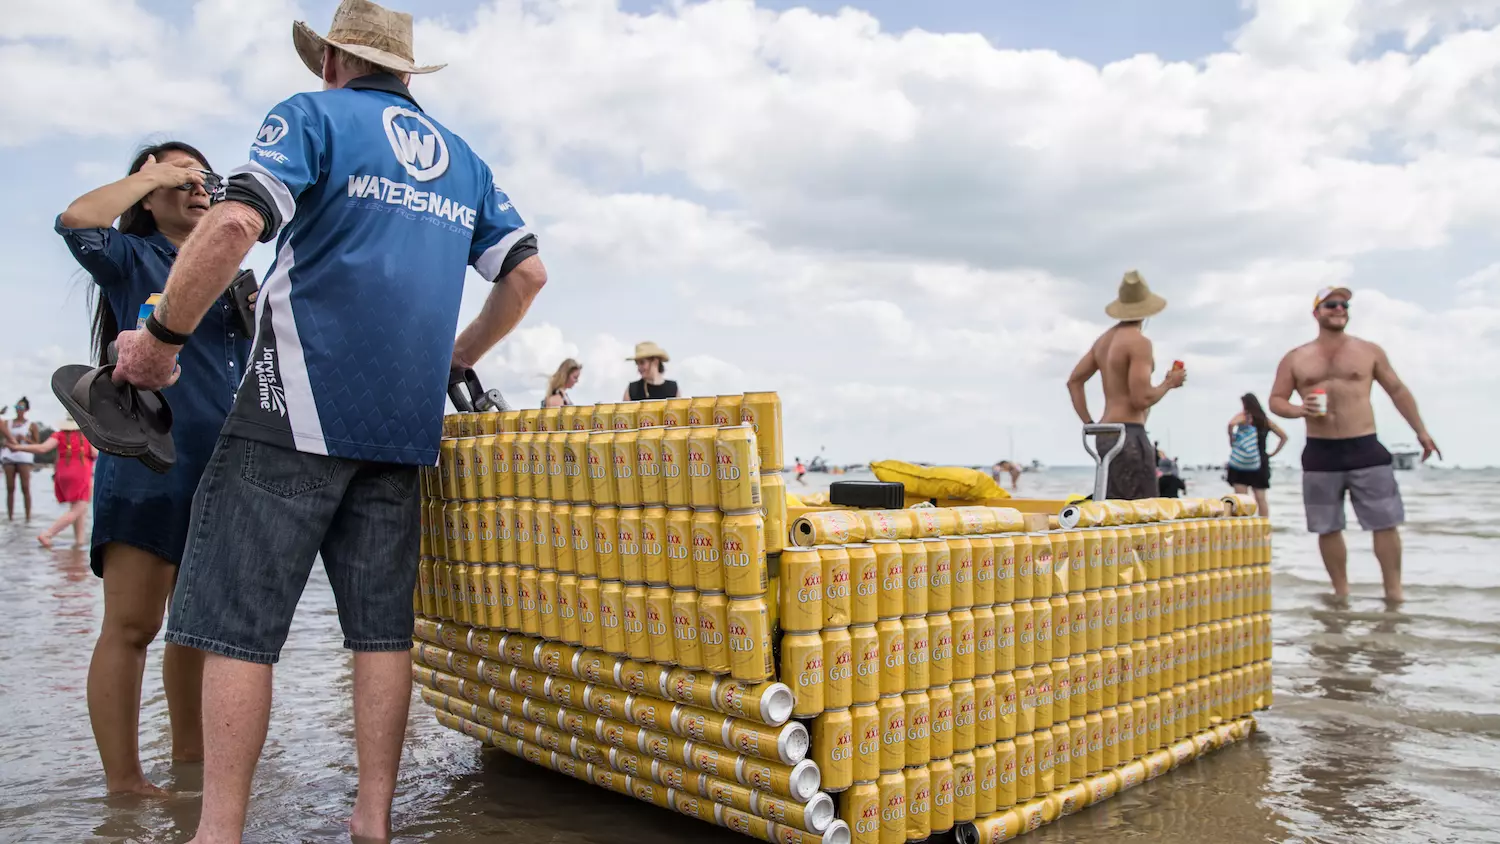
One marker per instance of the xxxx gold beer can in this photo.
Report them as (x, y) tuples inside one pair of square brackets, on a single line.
[(468, 523), (1078, 678), (567, 606), (963, 625), (653, 545), (561, 532), (1007, 637), (485, 478), (918, 727), (1045, 549), (914, 563), (986, 710), (659, 622), (940, 648), (637, 642), (891, 710), (600, 467), (985, 640), (838, 662), (918, 654), (891, 599), (628, 544), (1026, 699), (865, 648), (685, 629), (837, 600), (726, 410), (557, 471), (447, 472), (964, 715), (674, 413), (749, 634), (1046, 777), (648, 447), (488, 531), (736, 469), (673, 459), (427, 590), (453, 534), (1025, 565), (703, 491), (961, 565), (801, 588), (762, 412), (590, 634), (1007, 763), (624, 454), (625, 416), (928, 522), (773, 508), (1005, 569), (520, 464), (1093, 744), (463, 464), (941, 707), (1109, 660), (743, 555), (601, 417), (1109, 556), (802, 667), (541, 535), (1077, 623), (1093, 681), (1093, 558), (536, 454), (708, 574), (939, 575), (679, 543), (1062, 626), (458, 592), (611, 615), (1093, 614), (833, 748), (860, 808), (1109, 610), (1138, 713), (527, 599), (986, 781), (1153, 608), (1051, 694), (549, 419), (581, 530), (892, 786), (1109, 757), (1026, 622), (982, 551), (891, 635), (864, 584), (1026, 767), (943, 794), (649, 413), (606, 542)]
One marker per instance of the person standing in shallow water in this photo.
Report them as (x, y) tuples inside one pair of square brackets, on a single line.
[(1343, 455), (1249, 468), (650, 363), (19, 463)]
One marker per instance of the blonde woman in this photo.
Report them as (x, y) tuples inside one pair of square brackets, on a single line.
[(563, 380)]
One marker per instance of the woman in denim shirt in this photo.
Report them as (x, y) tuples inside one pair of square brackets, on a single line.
[(141, 517)]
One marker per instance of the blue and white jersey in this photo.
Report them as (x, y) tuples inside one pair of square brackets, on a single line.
[(377, 210)]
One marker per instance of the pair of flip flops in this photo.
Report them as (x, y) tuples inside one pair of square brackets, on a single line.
[(117, 419), (478, 399)]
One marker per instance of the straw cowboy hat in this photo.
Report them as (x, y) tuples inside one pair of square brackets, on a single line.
[(1135, 300), (67, 424), (649, 349), (360, 28)]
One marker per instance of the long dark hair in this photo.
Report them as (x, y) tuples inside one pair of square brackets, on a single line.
[(1254, 411), (137, 221)]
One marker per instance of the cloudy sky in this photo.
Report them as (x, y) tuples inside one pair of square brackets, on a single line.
[(906, 217)]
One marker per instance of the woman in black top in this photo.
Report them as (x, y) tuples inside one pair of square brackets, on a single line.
[(563, 380), (650, 361), (1256, 481)]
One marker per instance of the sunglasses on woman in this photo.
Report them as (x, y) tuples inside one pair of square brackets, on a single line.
[(213, 183)]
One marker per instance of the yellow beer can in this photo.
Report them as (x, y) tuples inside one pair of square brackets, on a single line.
[(536, 455), (675, 412), (838, 662), (833, 748), (541, 535), (918, 802), (678, 548), (986, 781), (743, 555), (837, 599), (762, 411), (1007, 764), (985, 641), (891, 601), (891, 635), (628, 544), (1093, 556), (703, 492), (708, 574), (940, 648), (773, 508), (1043, 553), (802, 661), (1027, 693), (1078, 623), (865, 647), (606, 542), (489, 530), (1026, 767), (918, 653), (625, 416), (1027, 549), (864, 583), (653, 544), (520, 464), (961, 566), (447, 473), (1062, 626), (557, 469), (510, 596), (673, 459), (982, 551), (736, 469), (1110, 545), (914, 564), (986, 710), (944, 788), (860, 808), (1078, 679), (940, 704), (892, 786), (484, 469), (567, 606), (749, 640), (633, 606), (1093, 744), (1041, 610), (685, 629), (1005, 568), (648, 448), (939, 575), (963, 625), (625, 456), (918, 727), (1138, 713), (581, 538), (801, 590), (659, 624), (726, 410), (965, 721), (599, 465), (1110, 758), (590, 634), (560, 530), (611, 614), (1153, 608), (892, 713), (1046, 691), (601, 417)]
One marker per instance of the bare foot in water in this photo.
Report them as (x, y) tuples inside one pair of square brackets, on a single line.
[(45, 541), (142, 788)]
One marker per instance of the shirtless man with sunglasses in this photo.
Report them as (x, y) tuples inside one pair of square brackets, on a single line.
[(1343, 454)]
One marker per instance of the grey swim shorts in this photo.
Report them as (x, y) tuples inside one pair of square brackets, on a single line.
[(1373, 490)]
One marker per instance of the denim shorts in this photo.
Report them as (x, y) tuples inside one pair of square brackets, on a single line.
[(261, 516)]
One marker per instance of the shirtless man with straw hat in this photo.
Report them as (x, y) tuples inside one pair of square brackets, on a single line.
[(1124, 357)]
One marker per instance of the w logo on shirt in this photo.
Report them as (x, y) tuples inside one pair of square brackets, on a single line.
[(416, 142), (271, 132)]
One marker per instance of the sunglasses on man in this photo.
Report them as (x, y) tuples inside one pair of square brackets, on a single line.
[(1335, 305), (213, 183)]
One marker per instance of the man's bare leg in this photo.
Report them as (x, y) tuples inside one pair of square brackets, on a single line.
[(1336, 560), (382, 695), (1388, 552), (236, 712)]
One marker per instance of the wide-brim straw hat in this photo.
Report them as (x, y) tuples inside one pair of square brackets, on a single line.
[(648, 349), (67, 424), (364, 29), (1135, 300)]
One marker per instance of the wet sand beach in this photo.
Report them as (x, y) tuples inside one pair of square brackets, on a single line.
[(1386, 724)]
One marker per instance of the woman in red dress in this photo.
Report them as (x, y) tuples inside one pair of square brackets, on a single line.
[(73, 478)]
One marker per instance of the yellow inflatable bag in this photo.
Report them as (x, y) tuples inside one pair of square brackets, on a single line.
[(793, 501), (954, 482)]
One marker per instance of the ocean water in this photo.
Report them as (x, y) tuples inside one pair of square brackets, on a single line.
[(1386, 724)]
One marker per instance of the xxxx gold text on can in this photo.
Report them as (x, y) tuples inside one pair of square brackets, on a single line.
[(918, 727), (762, 412), (726, 411), (749, 635), (1110, 756), (961, 566), (918, 655), (802, 667), (943, 788), (986, 781), (864, 584), (581, 537), (567, 607), (891, 599), (536, 454), (520, 465), (708, 574), (606, 542), (859, 806), (837, 600), (1025, 558), (447, 472), (743, 555), (600, 468), (678, 547), (649, 413), (1007, 763), (659, 624), (560, 530), (674, 412), (986, 710), (590, 634), (985, 639), (892, 787), (773, 508), (914, 565), (965, 721), (685, 646), (982, 550), (891, 635), (541, 535), (1026, 622), (1005, 569), (1007, 636), (637, 642), (648, 447), (485, 478), (601, 417), (833, 748), (940, 648), (510, 587), (625, 416), (611, 615), (653, 544), (628, 544), (1077, 686), (491, 530), (1109, 557), (866, 649), (1026, 699), (1026, 767), (502, 471), (939, 575), (624, 455), (1078, 621), (962, 625), (838, 666), (1062, 628), (801, 588), (736, 469), (891, 710), (703, 491), (557, 470)]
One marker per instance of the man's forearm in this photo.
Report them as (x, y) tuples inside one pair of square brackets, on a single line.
[(1284, 408), (206, 265), (1080, 402), (502, 311), (1153, 395), (1406, 405)]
